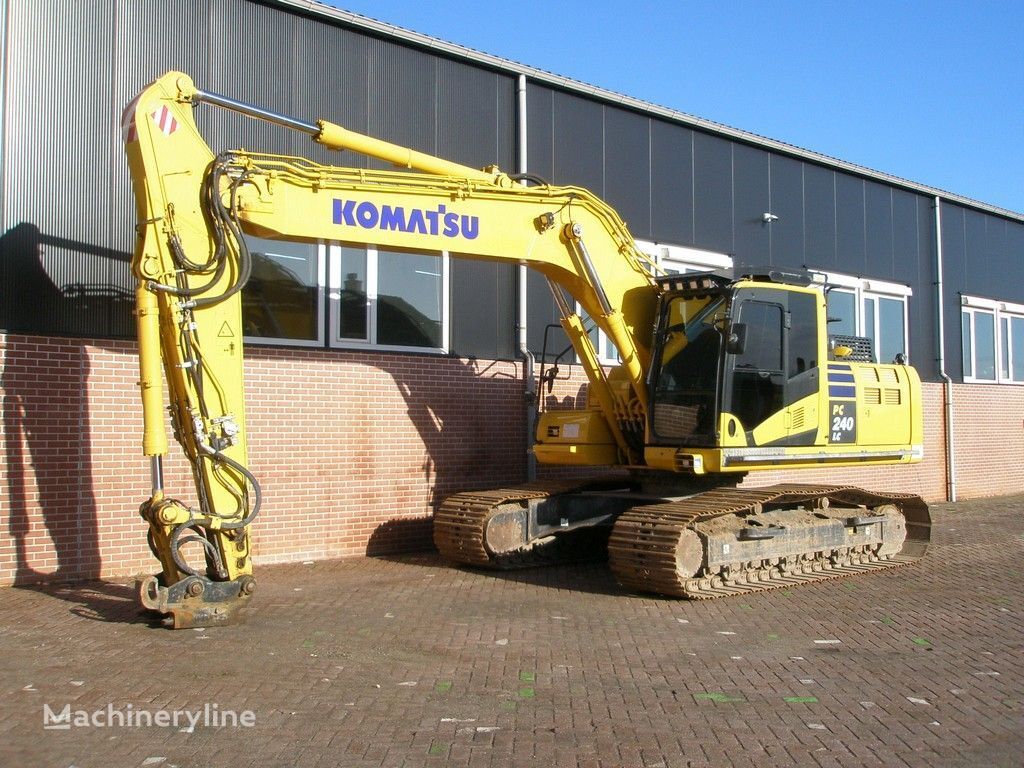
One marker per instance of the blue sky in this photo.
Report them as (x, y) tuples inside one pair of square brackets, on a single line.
[(929, 91)]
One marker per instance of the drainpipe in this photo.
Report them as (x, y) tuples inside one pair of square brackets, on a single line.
[(948, 382), (530, 394)]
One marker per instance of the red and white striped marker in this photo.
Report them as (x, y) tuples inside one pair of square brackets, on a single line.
[(164, 120)]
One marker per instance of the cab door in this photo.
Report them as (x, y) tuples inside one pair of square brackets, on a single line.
[(772, 375)]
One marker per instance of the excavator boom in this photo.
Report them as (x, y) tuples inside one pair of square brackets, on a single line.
[(688, 404)]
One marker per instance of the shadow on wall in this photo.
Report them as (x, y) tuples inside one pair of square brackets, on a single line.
[(46, 420), (53, 285), (461, 413)]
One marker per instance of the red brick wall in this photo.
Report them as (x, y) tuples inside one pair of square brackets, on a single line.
[(347, 446), (988, 439), (353, 450)]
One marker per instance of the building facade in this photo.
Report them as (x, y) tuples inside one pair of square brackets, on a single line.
[(378, 383)]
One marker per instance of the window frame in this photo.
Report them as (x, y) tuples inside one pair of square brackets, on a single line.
[(868, 289), (1003, 313), (321, 271), (334, 287)]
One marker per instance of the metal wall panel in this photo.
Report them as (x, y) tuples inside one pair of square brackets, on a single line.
[(920, 274), (906, 237), (1015, 261), (3, 110), (402, 98), (878, 230), (57, 158), (979, 280), (954, 276), (539, 136), (849, 224), (475, 121), (712, 193), (475, 126), (751, 201), (251, 55), (671, 183), (996, 260), (330, 84), (627, 168), (149, 39), (787, 202), (578, 136), (819, 217)]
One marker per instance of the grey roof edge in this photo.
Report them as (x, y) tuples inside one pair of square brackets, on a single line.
[(691, 121)]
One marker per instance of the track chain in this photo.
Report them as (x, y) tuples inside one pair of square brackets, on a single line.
[(461, 522), (642, 546)]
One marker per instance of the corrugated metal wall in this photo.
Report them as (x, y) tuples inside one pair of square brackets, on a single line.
[(66, 212), (61, 274), (66, 203), (983, 256), (685, 187)]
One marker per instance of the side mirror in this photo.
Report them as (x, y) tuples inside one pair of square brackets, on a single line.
[(737, 340)]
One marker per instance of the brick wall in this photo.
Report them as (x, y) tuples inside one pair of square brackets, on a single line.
[(347, 446), (353, 451), (988, 437)]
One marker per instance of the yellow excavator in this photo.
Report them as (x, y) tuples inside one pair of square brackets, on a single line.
[(719, 374)]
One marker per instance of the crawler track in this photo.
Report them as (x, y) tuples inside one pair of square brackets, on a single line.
[(460, 527), (645, 547), (666, 548)]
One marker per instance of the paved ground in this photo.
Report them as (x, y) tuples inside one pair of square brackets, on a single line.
[(406, 662)]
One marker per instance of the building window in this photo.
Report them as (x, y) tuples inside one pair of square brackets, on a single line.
[(874, 309), (993, 341), (377, 298), (283, 300), (388, 299), (672, 260)]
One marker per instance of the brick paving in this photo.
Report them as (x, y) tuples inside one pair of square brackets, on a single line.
[(407, 662)]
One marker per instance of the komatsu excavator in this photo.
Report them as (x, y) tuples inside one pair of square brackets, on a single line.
[(720, 374)]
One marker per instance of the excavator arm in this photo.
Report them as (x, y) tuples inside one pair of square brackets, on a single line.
[(191, 263)]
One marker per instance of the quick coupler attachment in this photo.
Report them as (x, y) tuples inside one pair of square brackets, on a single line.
[(196, 601)]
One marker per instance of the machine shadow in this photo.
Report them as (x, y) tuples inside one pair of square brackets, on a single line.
[(463, 438), (586, 575), (53, 514), (467, 417), (99, 601)]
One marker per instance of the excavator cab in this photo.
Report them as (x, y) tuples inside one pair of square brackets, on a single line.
[(731, 357), (745, 376)]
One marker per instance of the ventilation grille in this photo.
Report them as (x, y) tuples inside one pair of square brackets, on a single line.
[(887, 396), (798, 419)]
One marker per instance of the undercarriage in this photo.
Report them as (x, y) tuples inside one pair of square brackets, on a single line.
[(703, 544)]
